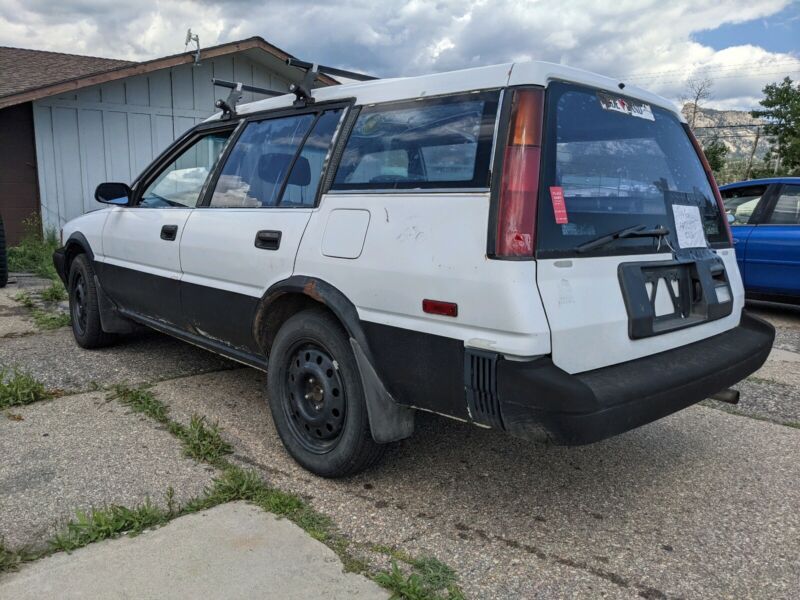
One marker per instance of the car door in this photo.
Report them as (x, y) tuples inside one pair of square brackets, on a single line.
[(742, 204), (246, 236), (141, 268), (773, 248)]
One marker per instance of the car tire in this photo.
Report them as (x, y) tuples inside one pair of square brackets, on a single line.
[(3, 256), (84, 308), (317, 399)]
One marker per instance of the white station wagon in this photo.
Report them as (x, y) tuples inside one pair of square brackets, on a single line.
[(526, 247)]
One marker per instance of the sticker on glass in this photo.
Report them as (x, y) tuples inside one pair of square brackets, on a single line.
[(559, 206), (689, 226), (626, 106)]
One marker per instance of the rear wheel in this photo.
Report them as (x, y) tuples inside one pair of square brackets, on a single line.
[(316, 397), (84, 307)]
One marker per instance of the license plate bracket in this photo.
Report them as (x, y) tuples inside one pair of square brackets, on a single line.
[(665, 296)]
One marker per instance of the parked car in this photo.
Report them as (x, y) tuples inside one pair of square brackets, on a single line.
[(765, 220), (525, 247)]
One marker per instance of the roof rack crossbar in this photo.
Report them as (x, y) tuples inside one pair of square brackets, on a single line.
[(301, 64), (228, 106)]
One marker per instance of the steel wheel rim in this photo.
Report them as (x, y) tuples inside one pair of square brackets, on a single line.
[(314, 397), (79, 303)]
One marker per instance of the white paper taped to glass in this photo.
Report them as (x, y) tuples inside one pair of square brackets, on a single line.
[(689, 226)]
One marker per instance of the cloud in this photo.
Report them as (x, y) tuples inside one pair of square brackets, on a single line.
[(647, 42)]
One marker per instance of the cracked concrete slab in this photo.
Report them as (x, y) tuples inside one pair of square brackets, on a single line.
[(700, 504), (80, 452), (231, 551)]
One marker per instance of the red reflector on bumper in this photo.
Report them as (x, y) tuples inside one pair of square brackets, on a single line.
[(437, 307)]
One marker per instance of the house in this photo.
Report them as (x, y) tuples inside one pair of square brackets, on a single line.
[(69, 122)]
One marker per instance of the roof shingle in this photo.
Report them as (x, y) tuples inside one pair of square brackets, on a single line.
[(22, 70)]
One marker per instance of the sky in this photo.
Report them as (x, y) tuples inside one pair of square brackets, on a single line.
[(658, 44)]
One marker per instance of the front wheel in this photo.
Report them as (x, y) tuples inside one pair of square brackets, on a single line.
[(84, 307), (316, 397)]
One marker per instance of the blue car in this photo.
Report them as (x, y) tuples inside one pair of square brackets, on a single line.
[(765, 219)]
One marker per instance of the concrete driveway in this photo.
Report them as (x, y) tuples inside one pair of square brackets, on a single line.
[(702, 504)]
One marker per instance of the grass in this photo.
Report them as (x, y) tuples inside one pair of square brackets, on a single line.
[(18, 388), (429, 578), (34, 253), (55, 293), (100, 524), (42, 318), (50, 320)]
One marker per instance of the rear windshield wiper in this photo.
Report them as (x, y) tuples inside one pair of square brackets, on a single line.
[(629, 232)]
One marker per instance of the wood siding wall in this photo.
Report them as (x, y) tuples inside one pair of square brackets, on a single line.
[(111, 132)]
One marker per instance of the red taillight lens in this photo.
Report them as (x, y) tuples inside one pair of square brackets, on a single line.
[(519, 184), (712, 182)]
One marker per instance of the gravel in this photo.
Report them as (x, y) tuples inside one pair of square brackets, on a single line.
[(55, 359)]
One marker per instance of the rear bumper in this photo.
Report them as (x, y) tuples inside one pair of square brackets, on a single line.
[(538, 400)]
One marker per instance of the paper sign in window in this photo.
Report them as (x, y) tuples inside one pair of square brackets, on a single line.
[(689, 226)]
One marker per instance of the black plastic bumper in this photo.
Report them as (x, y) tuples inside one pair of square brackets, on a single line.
[(538, 400), (60, 261)]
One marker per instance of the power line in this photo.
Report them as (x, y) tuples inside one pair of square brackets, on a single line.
[(728, 126)]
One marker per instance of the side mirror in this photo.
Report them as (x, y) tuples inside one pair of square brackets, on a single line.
[(113, 193), (731, 219)]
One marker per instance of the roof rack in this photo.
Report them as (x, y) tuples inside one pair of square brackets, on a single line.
[(237, 87), (303, 89)]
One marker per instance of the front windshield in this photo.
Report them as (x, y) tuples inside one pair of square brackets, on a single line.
[(617, 163)]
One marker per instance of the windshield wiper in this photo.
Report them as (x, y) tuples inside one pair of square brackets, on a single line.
[(629, 232)]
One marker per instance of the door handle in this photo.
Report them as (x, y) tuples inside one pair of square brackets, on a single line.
[(169, 232), (268, 240)]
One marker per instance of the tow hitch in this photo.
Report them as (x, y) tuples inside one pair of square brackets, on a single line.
[(730, 396)]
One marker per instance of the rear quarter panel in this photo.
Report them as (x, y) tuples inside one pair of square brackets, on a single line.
[(429, 245)]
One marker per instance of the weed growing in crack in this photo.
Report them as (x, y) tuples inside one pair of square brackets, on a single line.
[(427, 577), (201, 441), (18, 388), (100, 524), (55, 293)]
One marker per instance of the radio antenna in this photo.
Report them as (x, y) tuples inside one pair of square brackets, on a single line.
[(193, 37)]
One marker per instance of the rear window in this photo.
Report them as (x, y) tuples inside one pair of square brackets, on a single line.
[(422, 144), (620, 163)]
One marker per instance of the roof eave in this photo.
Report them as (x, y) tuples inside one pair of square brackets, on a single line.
[(124, 71)]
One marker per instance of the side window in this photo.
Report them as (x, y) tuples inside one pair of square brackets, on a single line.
[(787, 208), (434, 143), (742, 201), (180, 183), (301, 187)]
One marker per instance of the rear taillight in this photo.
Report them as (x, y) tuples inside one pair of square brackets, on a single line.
[(519, 183), (712, 182)]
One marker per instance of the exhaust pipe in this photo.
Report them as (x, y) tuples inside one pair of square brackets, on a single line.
[(730, 396)]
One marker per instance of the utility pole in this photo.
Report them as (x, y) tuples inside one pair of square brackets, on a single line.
[(752, 154)]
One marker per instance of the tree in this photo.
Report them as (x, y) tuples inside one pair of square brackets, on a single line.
[(698, 90), (716, 152), (781, 114)]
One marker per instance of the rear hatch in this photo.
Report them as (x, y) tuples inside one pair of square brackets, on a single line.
[(633, 254)]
